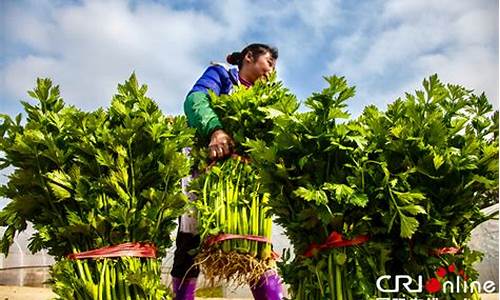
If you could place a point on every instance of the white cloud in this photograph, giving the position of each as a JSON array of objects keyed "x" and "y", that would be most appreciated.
[
  {"x": 410, "y": 11},
  {"x": 237, "y": 16},
  {"x": 319, "y": 14},
  {"x": 88, "y": 49},
  {"x": 382, "y": 47},
  {"x": 15, "y": 75},
  {"x": 392, "y": 52},
  {"x": 475, "y": 27},
  {"x": 475, "y": 72}
]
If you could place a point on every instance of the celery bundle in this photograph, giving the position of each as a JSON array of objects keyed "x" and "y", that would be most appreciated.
[
  {"x": 89, "y": 180},
  {"x": 413, "y": 178},
  {"x": 232, "y": 206}
]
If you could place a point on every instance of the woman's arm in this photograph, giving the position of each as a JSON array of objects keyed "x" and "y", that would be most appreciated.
[
  {"x": 200, "y": 114},
  {"x": 197, "y": 105}
]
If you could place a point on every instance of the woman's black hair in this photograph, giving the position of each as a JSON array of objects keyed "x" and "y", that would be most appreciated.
[{"x": 256, "y": 50}]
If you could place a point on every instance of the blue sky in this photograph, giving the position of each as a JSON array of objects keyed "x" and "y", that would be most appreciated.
[{"x": 383, "y": 47}]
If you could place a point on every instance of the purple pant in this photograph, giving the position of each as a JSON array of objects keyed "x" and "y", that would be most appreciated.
[{"x": 267, "y": 288}]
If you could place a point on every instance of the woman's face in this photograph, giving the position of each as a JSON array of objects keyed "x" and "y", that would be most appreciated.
[{"x": 262, "y": 66}]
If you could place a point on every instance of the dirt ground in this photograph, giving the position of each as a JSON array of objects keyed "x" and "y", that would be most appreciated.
[{"x": 32, "y": 293}]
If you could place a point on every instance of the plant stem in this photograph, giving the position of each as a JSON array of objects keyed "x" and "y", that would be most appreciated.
[
  {"x": 339, "y": 282},
  {"x": 348, "y": 285},
  {"x": 108, "y": 280},
  {"x": 320, "y": 281},
  {"x": 331, "y": 282},
  {"x": 121, "y": 280},
  {"x": 101, "y": 279}
]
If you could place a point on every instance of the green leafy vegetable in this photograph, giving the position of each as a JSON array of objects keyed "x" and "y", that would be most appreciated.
[
  {"x": 414, "y": 178},
  {"x": 87, "y": 180}
]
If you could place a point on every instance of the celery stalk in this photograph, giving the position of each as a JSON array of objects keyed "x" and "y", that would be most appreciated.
[
  {"x": 339, "y": 282},
  {"x": 107, "y": 283},
  {"x": 331, "y": 282}
]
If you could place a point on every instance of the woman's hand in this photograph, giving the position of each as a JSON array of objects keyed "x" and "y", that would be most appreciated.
[{"x": 221, "y": 145}]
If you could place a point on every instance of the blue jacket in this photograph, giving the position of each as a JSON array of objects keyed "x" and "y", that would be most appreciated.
[
  {"x": 197, "y": 107},
  {"x": 218, "y": 79}
]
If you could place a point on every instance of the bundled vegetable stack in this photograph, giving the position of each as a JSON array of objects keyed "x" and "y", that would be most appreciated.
[
  {"x": 388, "y": 193},
  {"x": 232, "y": 209},
  {"x": 314, "y": 169},
  {"x": 102, "y": 190},
  {"x": 441, "y": 144}
]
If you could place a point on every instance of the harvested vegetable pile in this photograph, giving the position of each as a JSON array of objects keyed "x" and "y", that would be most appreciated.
[
  {"x": 93, "y": 180},
  {"x": 387, "y": 193},
  {"x": 441, "y": 144},
  {"x": 394, "y": 192},
  {"x": 232, "y": 209}
]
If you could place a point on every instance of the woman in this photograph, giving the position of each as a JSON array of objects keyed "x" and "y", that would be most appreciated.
[{"x": 254, "y": 61}]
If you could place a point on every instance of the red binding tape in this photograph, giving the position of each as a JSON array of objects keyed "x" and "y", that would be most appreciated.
[
  {"x": 121, "y": 250},
  {"x": 335, "y": 240},
  {"x": 445, "y": 250}
]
